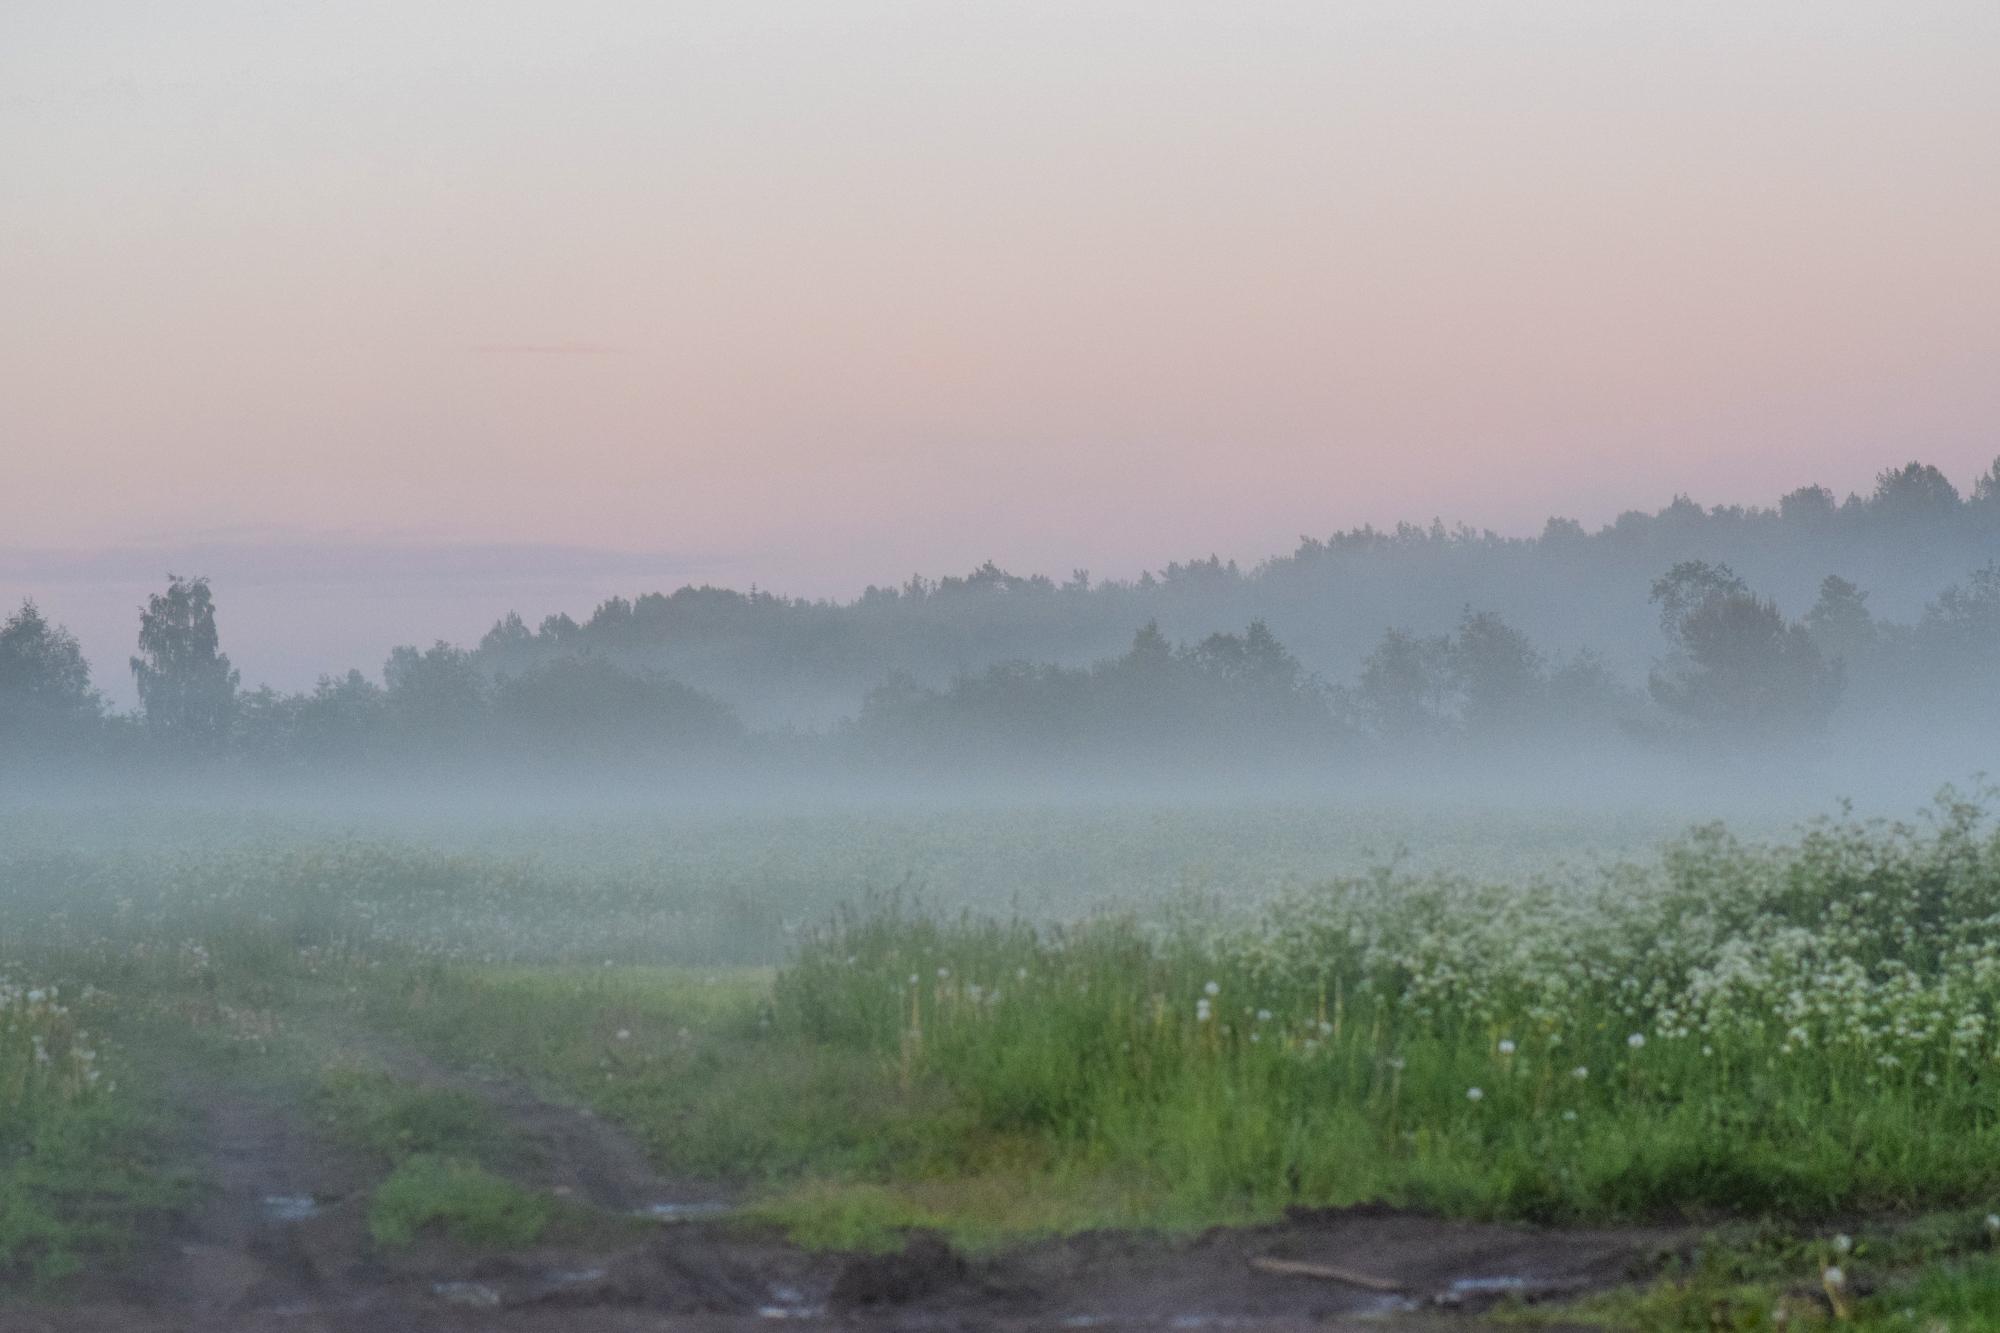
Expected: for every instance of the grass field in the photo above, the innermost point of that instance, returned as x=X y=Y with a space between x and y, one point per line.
x=1777 y=1040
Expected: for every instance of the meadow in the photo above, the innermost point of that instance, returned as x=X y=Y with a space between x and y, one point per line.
x=1795 y=1034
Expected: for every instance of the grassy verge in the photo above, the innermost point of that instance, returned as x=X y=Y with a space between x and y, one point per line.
x=460 y=1200
x=82 y=1161
x=1936 y=1274
x=1800 y=1032
x=452 y=1165
x=392 y=1120
x=831 y=1143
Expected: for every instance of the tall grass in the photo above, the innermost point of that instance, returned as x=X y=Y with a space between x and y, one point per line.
x=1794 y=1030
x=75 y=1163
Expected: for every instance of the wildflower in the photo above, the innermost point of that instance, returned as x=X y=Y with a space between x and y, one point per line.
x=1636 y=1040
x=1474 y=1094
x=1570 y=1116
x=1843 y=1244
x=913 y=978
x=1506 y=1046
x=1263 y=1015
x=624 y=1034
x=1212 y=989
x=1580 y=1073
x=1993 y=1224
x=944 y=974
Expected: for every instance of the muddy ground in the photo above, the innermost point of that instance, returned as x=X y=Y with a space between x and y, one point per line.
x=280 y=1243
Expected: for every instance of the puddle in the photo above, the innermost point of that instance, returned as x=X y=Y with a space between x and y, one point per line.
x=1382 y=1305
x=290 y=1207
x=477 y=1295
x=789 y=1303
x=574 y=1277
x=684 y=1212
x=1487 y=1286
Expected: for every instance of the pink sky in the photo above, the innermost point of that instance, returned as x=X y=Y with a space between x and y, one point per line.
x=820 y=295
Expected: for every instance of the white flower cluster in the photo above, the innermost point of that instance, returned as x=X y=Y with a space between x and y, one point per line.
x=44 y=1055
x=1879 y=943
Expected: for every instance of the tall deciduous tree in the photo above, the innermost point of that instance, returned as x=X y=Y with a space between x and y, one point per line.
x=45 y=691
x=186 y=685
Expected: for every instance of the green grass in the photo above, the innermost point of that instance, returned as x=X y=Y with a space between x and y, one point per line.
x=1966 y=1295
x=1937 y=1272
x=392 y=1120
x=83 y=1164
x=1793 y=1032
x=685 y=1060
x=430 y=1194
x=77 y=1190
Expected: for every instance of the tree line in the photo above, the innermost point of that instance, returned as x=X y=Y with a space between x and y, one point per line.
x=809 y=662
x=1726 y=668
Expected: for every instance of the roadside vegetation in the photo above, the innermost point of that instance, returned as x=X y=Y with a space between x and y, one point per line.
x=1796 y=1038
x=80 y=1160
x=1794 y=1032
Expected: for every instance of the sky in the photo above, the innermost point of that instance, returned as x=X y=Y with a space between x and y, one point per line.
x=512 y=304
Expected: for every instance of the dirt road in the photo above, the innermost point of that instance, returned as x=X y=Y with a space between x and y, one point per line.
x=280 y=1244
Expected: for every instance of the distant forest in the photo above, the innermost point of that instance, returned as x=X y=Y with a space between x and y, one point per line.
x=1692 y=629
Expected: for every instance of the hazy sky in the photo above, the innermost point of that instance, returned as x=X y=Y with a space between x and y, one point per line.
x=824 y=293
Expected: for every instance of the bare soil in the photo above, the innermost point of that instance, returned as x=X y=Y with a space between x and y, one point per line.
x=281 y=1244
